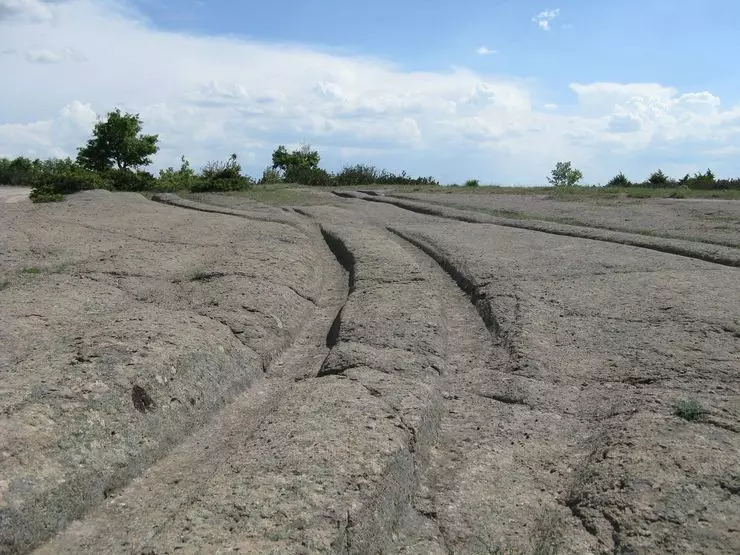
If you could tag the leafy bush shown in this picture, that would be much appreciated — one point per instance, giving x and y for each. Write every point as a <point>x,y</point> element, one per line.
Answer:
<point>176,180</point>
<point>357,175</point>
<point>619,180</point>
<point>222,176</point>
<point>45,194</point>
<point>128,180</point>
<point>315,177</point>
<point>472,183</point>
<point>564,175</point>
<point>64,179</point>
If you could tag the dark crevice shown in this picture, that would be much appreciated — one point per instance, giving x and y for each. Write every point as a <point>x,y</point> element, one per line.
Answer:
<point>332,338</point>
<point>343,255</point>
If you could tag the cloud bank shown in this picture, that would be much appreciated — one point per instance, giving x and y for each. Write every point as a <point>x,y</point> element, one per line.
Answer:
<point>209,96</point>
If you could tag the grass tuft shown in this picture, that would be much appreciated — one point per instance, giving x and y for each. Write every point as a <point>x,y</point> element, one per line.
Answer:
<point>689,409</point>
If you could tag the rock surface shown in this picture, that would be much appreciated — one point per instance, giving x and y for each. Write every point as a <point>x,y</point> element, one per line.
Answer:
<point>371,379</point>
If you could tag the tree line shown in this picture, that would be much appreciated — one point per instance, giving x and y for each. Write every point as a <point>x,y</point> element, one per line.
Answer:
<point>115,156</point>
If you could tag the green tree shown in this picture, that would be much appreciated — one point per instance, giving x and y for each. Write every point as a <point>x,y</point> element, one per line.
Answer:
<point>117,142</point>
<point>564,175</point>
<point>296,162</point>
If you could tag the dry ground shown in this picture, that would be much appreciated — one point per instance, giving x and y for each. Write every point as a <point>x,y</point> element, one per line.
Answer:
<point>361,375</point>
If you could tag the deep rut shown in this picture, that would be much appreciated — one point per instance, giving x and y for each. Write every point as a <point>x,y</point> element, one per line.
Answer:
<point>133,517</point>
<point>484,490</point>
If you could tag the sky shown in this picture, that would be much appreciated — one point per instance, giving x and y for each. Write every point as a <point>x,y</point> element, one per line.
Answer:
<point>496,90</point>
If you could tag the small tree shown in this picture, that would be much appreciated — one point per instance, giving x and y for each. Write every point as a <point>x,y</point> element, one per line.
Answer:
<point>619,180</point>
<point>564,175</point>
<point>117,143</point>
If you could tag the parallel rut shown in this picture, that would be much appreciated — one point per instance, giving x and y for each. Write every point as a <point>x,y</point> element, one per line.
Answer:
<point>481,492</point>
<point>132,518</point>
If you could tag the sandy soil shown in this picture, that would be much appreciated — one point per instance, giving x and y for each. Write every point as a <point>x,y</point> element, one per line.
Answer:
<point>367,378</point>
<point>13,194</point>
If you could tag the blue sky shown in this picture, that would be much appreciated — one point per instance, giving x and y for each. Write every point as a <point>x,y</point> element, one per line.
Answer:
<point>498,90</point>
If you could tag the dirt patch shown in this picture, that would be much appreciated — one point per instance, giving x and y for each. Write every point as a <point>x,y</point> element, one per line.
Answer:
<point>10,195</point>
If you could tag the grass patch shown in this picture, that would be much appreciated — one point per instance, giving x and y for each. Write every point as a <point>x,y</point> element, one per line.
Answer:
<point>278,194</point>
<point>31,271</point>
<point>689,409</point>
<point>202,275</point>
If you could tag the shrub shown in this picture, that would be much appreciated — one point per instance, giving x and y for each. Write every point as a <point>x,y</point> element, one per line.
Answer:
<point>176,180</point>
<point>680,192</point>
<point>315,177</point>
<point>619,180</point>
<point>472,183</point>
<point>357,175</point>
<point>222,177</point>
<point>64,179</point>
<point>563,175</point>
<point>689,409</point>
<point>45,194</point>
<point>658,179</point>
<point>128,180</point>
<point>270,176</point>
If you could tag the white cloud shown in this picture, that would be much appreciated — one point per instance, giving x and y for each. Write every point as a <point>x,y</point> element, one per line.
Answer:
<point>543,19</point>
<point>209,96</point>
<point>34,10</point>
<point>45,56</point>
<point>484,51</point>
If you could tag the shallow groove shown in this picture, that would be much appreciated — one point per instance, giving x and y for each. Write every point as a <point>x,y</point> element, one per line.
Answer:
<point>677,250</point>
<point>174,200</point>
<point>463,281</point>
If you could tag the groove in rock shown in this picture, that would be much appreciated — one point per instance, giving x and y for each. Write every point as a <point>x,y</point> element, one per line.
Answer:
<point>678,250</point>
<point>465,283</point>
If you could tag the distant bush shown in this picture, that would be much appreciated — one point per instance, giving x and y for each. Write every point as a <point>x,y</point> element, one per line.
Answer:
<point>176,180</point>
<point>472,183</point>
<point>129,180</point>
<point>619,180</point>
<point>270,176</point>
<point>658,179</point>
<point>357,175</point>
<point>222,176</point>
<point>315,177</point>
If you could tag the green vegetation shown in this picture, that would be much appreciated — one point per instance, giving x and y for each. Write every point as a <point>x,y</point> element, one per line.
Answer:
<point>689,409</point>
<point>472,183</point>
<point>564,175</point>
<point>32,270</point>
<point>222,176</point>
<point>619,180</point>
<point>117,142</point>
